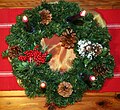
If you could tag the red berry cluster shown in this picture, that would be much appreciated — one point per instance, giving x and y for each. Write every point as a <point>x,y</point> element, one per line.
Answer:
<point>34,55</point>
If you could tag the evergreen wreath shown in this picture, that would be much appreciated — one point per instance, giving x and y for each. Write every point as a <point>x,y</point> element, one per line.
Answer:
<point>85,61</point>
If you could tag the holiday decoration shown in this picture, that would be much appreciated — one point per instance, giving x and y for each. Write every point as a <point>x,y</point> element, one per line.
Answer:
<point>68,39</point>
<point>60,51</point>
<point>100,70</point>
<point>43,85</point>
<point>62,58</point>
<point>92,78</point>
<point>88,79</point>
<point>25,19</point>
<point>27,27</point>
<point>89,50</point>
<point>65,89</point>
<point>34,55</point>
<point>97,49</point>
<point>99,20</point>
<point>14,51</point>
<point>83,13</point>
<point>77,16</point>
<point>45,16</point>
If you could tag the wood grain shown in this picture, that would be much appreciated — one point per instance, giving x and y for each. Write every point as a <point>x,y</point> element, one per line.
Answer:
<point>17,100</point>
<point>89,4</point>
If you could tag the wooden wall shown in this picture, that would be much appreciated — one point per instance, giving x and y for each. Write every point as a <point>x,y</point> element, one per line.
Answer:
<point>90,4</point>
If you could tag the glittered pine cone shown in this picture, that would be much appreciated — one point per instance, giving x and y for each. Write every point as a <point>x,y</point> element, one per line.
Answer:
<point>46,17</point>
<point>97,49</point>
<point>14,51</point>
<point>68,38</point>
<point>100,70</point>
<point>65,89</point>
<point>88,48</point>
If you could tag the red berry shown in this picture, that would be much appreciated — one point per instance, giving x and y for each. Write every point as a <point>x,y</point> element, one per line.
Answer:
<point>22,58</point>
<point>29,59</point>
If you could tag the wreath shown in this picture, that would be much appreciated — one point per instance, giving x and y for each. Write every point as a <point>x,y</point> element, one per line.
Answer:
<point>60,51</point>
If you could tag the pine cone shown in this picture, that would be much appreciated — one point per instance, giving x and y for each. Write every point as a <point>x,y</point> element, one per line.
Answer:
<point>97,49</point>
<point>14,51</point>
<point>45,16</point>
<point>65,89</point>
<point>68,38</point>
<point>100,70</point>
<point>88,48</point>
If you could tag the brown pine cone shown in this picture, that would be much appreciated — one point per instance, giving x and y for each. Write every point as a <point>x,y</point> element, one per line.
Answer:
<point>46,17</point>
<point>100,70</point>
<point>68,38</point>
<point>65,89</point>
<point>14,51</point>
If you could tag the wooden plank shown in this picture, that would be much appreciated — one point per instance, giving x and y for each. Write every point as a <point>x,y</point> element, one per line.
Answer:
<point>92,2</point>
<point>90,101</point>
<point>85,3</point>
<point>19,3</point>
<point>116,6</point>
<point>22,94</point>
<point>22,103</point>
<point>91,7</point>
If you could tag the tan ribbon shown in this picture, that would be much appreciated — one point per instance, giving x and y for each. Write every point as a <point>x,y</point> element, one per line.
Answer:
<point>97,17</point>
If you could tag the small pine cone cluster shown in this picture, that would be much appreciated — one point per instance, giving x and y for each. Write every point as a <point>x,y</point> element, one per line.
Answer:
<point>88,49</point>
<point>14,51</point>
<point>68,38</point>
<point>46,17</point>
<point>100,70</point>
<point>65,89</point>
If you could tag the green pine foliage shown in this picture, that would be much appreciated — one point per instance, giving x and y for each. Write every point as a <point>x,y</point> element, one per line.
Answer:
<point>31,75</point>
